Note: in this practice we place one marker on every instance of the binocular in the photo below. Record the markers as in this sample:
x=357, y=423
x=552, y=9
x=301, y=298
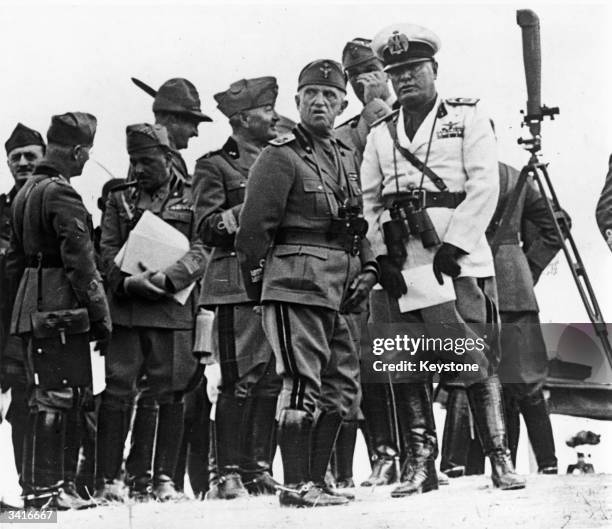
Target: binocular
x=349, y=220
x=408, y=218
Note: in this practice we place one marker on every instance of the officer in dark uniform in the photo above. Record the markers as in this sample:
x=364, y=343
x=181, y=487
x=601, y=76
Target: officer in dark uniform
x=370, y=84
x=246, y=405
x=50, y=220
x=176, y=106
x=603, y=212
x=303, y=255
x=153, y=333
x=524, y=363
x=24, y=149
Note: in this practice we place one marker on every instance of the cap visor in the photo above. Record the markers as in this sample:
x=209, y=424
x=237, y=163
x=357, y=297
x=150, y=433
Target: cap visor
x=415, y=60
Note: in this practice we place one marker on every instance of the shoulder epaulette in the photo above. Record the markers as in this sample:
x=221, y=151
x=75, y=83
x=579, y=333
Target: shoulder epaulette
x=389, y=116
x=123, y=186
x=283, y=139
x=351, y=121
x=455, y=101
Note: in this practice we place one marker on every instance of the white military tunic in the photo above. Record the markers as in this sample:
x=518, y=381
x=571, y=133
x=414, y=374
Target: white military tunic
x=463, y=153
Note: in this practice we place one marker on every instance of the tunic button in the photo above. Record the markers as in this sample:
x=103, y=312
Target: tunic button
x=232, y=253
x=39, y=351
x=64, y=381
x=319, y=187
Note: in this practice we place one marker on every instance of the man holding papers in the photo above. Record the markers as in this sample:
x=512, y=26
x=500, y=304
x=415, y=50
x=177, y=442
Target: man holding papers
x=430, y=186
x=153, y=308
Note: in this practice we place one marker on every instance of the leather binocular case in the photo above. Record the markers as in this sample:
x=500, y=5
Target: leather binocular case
x=203, y=340
x=60, y=348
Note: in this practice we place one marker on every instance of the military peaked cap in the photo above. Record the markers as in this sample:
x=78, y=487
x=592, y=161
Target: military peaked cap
x=401, y=44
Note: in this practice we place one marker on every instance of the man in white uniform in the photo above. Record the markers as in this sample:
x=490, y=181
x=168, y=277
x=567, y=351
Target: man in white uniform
x=430, y=187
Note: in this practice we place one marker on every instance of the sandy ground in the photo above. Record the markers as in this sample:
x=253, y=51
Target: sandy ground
x=567, y=502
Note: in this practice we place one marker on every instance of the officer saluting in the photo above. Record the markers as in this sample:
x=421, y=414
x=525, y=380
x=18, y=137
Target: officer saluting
x=430, y=186
x=304, y=256
x=52, y=231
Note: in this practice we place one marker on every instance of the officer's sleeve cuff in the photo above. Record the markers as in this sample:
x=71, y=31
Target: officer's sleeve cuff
x=373, y=268
x=375, y=110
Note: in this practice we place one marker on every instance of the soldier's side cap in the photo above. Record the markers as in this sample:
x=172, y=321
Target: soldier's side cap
x=401, y=44
x=23, y=136
x=146, y=136
x=325, y=72
x=179, y=96
x=72, y=128
x=357, y=52
x=246, y=94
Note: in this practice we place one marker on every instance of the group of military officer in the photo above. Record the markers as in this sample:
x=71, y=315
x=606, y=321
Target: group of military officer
x=296, y=240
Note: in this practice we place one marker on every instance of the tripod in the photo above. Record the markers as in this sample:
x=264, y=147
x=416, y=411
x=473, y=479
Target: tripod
x=536, y=113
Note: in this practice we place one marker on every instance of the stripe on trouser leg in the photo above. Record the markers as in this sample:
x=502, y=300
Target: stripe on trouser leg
x=284, y=338
x=227, y=345
x=299, y=379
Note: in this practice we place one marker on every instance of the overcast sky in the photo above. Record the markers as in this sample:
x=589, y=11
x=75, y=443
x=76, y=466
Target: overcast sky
x=58, y=58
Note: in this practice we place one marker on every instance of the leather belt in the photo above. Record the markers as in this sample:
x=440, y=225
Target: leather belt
x=315, y=238
x=48, y=261
x=428, y=199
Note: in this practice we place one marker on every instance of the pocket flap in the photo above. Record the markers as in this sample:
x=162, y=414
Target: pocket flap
x=53, y=323
x=313, y=186
x=232, y=185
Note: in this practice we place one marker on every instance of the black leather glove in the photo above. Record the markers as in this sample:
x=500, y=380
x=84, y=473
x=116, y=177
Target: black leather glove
x=391, y=277
x=100, y=332
x=445, y=261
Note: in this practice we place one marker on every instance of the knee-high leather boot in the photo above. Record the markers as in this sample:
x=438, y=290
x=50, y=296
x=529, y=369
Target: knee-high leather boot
x=486, y=404
x=343, y=454
x=258, y=437
x=294, y=439
x=384, y=451
x=43, y=463
x=169, y=439
x=414, y=403
x=140, y=460
x=537, y=420
x=113, y=427
x=229, y=424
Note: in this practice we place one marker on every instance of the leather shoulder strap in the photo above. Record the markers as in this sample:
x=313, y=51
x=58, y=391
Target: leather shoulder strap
x=411, y=158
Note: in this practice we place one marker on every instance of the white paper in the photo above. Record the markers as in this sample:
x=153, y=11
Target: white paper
x=424, y=289
x=98, y=371
x=157, y=245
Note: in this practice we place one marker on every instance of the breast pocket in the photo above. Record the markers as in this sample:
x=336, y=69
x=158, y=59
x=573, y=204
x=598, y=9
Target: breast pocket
x=316, y=204
x=181, y=219
x=235, y=192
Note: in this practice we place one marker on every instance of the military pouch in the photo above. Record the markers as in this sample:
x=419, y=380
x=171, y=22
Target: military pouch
x=60, y=344
x=60, y=348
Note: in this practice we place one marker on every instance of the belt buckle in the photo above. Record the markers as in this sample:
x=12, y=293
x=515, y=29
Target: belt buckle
x=418, y=195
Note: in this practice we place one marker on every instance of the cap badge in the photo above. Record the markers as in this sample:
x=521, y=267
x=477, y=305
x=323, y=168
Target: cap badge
x=326, y=70
x=398, y=43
